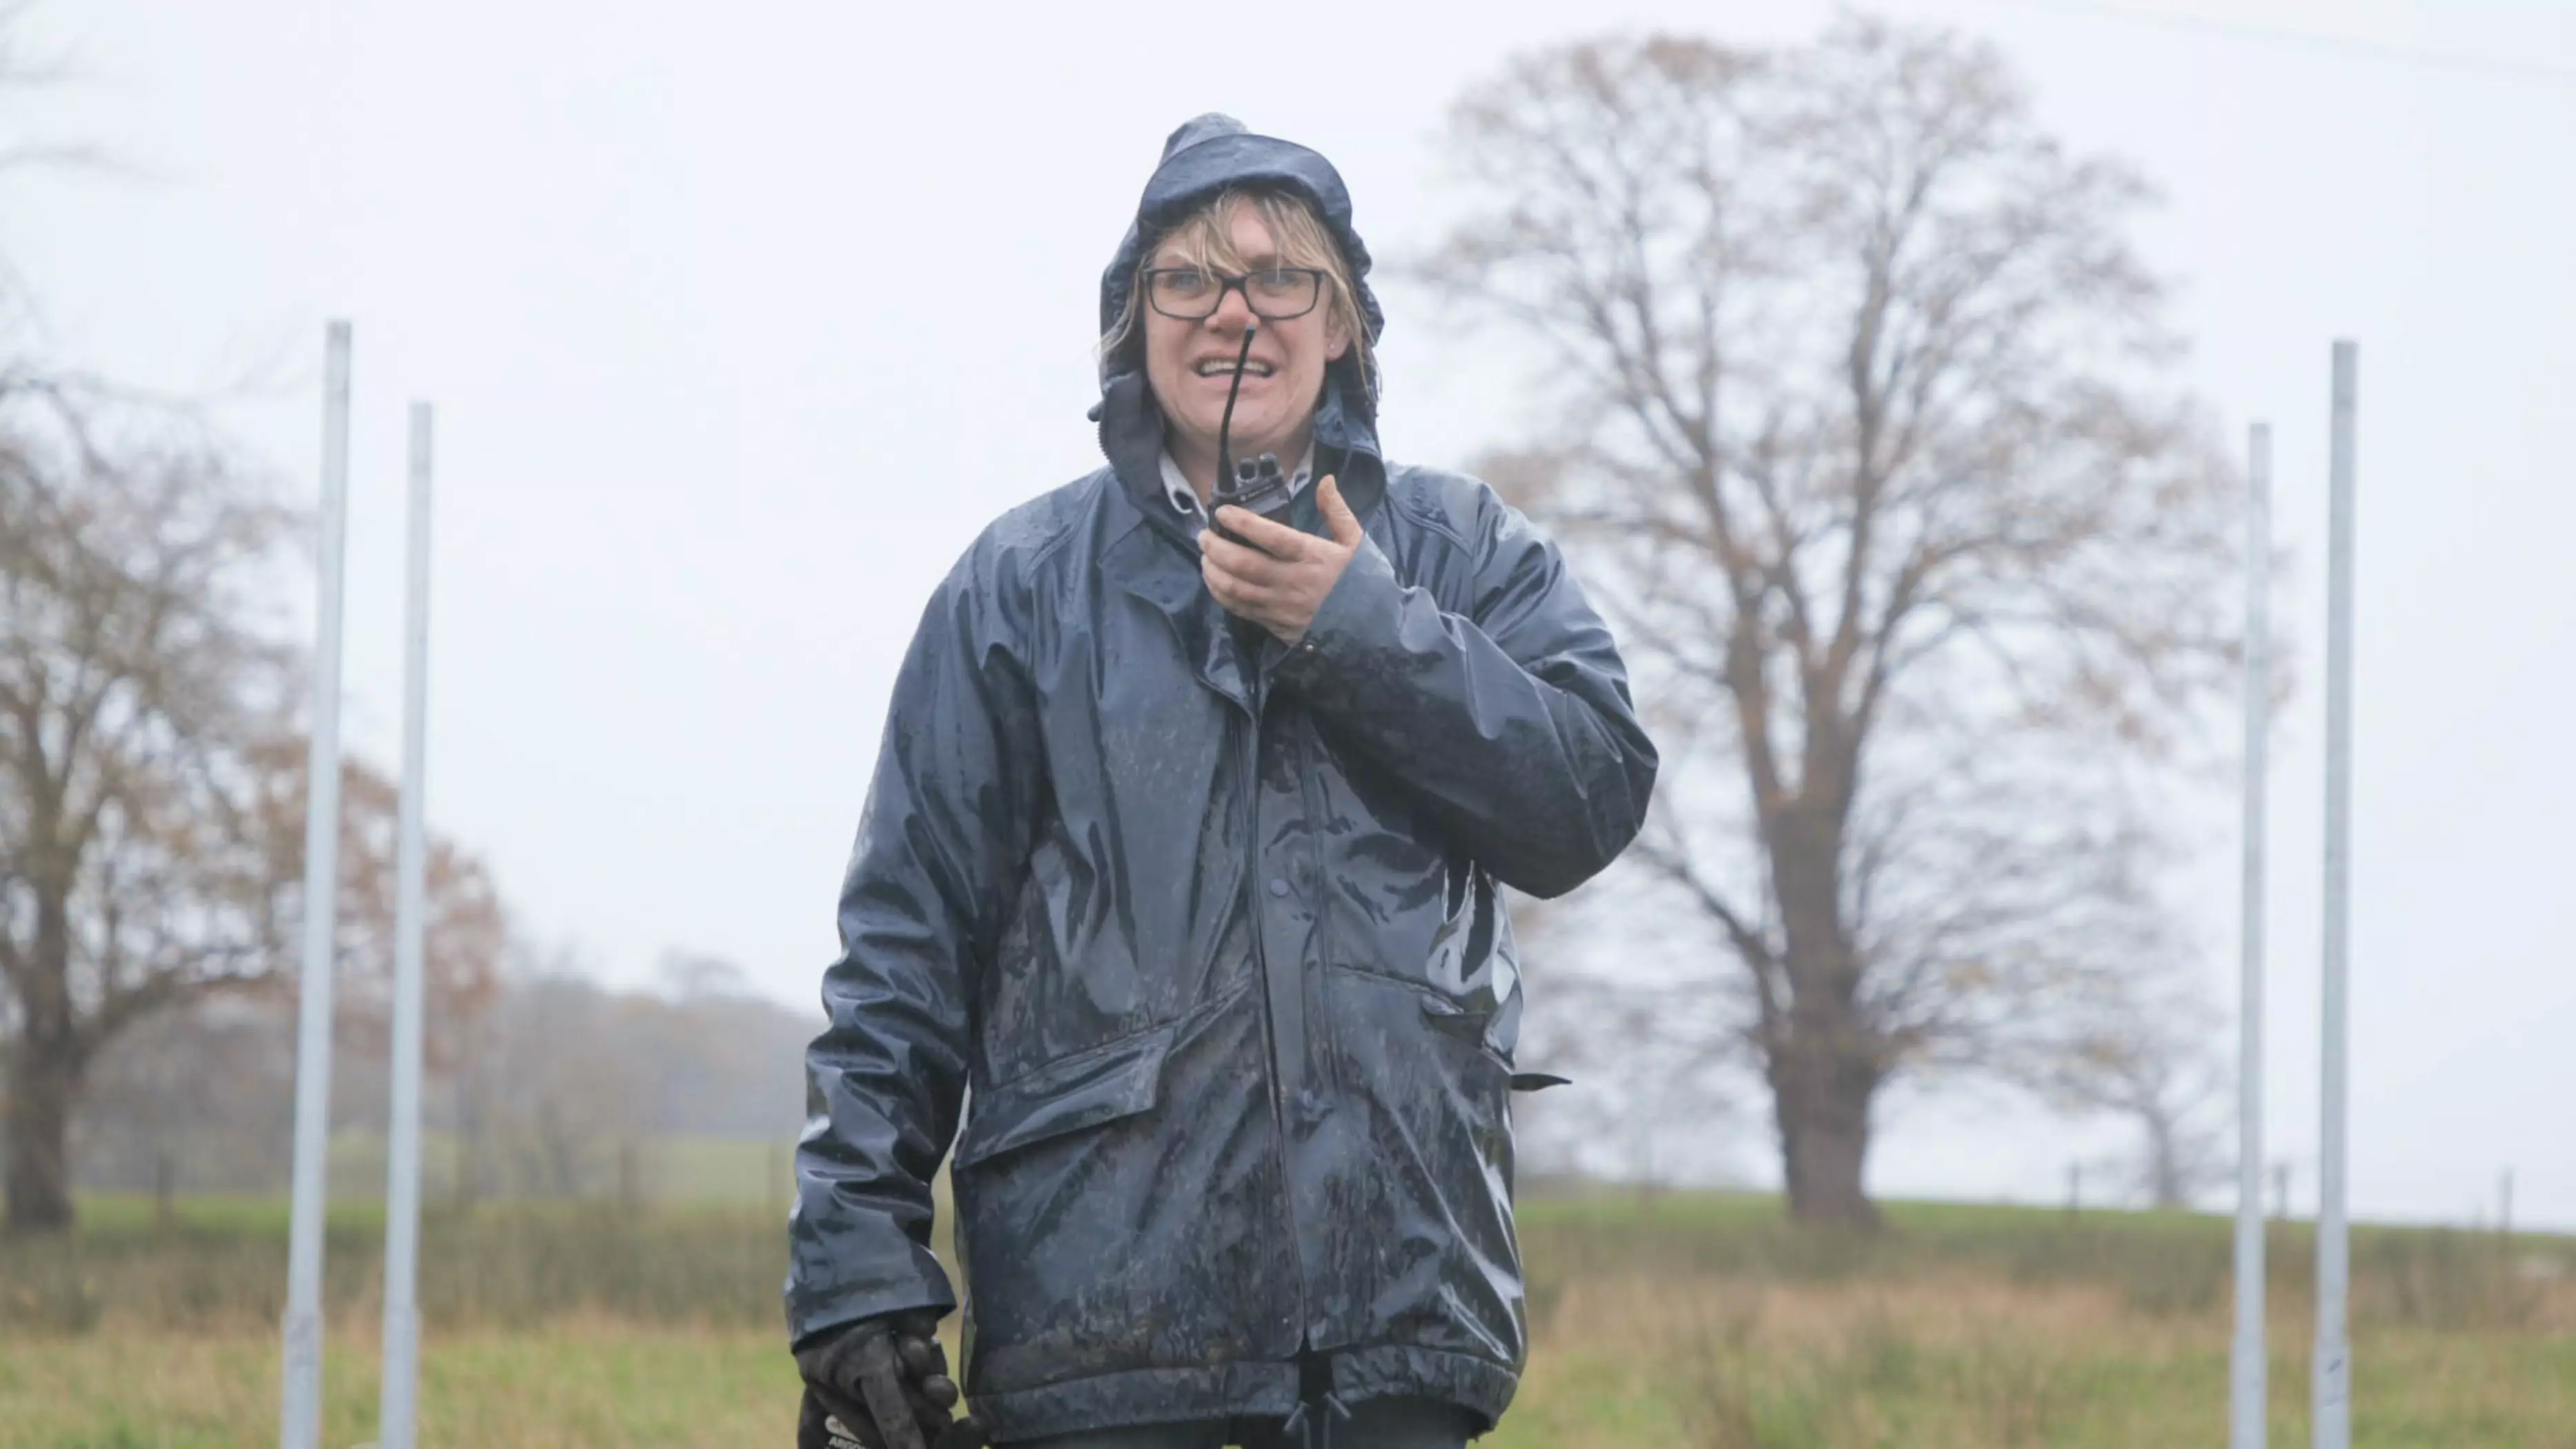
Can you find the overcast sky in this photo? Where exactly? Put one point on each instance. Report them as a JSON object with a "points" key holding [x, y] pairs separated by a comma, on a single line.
{"points": [[741, 322]]}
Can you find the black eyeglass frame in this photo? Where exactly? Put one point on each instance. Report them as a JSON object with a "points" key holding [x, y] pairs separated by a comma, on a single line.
{"points": [[1317, 275]]}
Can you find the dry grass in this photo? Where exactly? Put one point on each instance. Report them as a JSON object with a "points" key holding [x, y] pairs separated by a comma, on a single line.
{"points": [[1965, 1362], [222, 1268], [577, 1383], [1704, 1326], [1693, 1324], [1637, 1316]]}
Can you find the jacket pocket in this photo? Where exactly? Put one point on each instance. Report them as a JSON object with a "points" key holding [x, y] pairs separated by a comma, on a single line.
{"points": [[1083, 1090], [1470, 1027]]}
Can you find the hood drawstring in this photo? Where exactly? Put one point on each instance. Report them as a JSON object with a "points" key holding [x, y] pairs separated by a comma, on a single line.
{"points": [[1334, 1403], [1303, 1425]]}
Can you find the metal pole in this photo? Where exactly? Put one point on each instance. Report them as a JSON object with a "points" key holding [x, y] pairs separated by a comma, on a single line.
{"points": [[2333, 1353], [395, 1406], [2246, 1398], [300, 1420]]}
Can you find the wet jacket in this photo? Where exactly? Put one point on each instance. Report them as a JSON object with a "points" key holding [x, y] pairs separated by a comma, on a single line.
{"points": [[1204, 937]]}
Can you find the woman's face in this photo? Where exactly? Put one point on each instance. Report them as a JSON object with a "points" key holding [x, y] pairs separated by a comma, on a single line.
{"points": [[1191, 364]]}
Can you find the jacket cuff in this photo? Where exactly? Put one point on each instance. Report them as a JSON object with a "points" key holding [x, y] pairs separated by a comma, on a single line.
{"points": [[1357, 618], [814, 1309]]}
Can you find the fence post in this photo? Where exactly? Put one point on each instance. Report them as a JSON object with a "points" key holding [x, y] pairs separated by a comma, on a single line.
{"points": [[300, 1378], [2333, 1362], [2246, 1397], [395, 1403]]}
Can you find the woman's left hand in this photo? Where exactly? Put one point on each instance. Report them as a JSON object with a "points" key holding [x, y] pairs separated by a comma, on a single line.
{"points": [[1282, 579]]}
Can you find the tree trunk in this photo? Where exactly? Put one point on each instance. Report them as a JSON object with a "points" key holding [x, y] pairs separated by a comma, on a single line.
{"points": [[1823, 1064], [44, 1080], [2164, 1161], [1822, 1095]]}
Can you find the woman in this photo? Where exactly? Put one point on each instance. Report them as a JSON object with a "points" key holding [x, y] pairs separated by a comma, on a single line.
{"points": [[1185, 853]]}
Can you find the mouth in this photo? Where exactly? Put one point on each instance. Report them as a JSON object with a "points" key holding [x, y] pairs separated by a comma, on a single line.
{"points": [[1224, 367]]}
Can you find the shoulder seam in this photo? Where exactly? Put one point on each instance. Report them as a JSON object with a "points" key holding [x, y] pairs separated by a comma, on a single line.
{"points": [[1434, 519], [1063, 531]]}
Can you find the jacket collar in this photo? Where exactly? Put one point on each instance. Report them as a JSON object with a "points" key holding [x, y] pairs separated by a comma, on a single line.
{"points": [[1152, 552], [1131, 438]]}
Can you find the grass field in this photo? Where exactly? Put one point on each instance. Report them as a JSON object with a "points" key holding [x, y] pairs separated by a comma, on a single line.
{"points": [[1690, 1320], [669, 1167]]}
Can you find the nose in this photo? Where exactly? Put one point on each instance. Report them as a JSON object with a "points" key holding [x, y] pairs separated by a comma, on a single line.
{"points": [[1233, 312]]}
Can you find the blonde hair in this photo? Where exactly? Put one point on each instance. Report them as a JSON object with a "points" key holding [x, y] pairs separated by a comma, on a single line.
{"points": [[1203, 240]]}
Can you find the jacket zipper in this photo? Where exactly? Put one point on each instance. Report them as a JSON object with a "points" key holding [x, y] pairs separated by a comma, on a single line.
{"points": [[1315, 989], [1277, 1093]]}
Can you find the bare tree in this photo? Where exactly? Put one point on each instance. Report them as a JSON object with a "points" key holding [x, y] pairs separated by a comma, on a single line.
{"points": [[464, 929], [563, 1079], [1643, 1083], [1636, 1053], [2150, 1059], [1864, 423], [136, 696], [190, 1100], [554, 1101], [25, 68], [152, 781]]}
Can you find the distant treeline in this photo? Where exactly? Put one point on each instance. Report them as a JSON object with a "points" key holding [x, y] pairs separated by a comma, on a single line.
{"points": [[544, 1093]]}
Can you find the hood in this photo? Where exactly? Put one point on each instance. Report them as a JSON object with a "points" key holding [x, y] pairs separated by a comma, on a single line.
{"points": [[1203, 157]]}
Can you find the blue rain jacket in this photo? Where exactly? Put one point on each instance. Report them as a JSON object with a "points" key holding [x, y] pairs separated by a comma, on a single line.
{"points": [[1209, 932]]}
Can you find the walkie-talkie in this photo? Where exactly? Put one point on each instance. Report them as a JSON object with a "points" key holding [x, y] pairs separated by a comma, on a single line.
{"points": [[1257, 484]]}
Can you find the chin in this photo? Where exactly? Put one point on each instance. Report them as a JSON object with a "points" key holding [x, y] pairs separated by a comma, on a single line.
{"points": [[1251, 428]]}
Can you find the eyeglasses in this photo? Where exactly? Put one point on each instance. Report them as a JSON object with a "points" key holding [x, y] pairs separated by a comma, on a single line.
{"points": [[1275, 294]]}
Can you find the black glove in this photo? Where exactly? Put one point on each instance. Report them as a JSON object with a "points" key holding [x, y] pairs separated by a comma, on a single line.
{"points": [[881, 1383]]}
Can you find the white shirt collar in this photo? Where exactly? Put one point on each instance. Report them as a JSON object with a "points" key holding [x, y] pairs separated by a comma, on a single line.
{"points": [[1185, 499]]}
